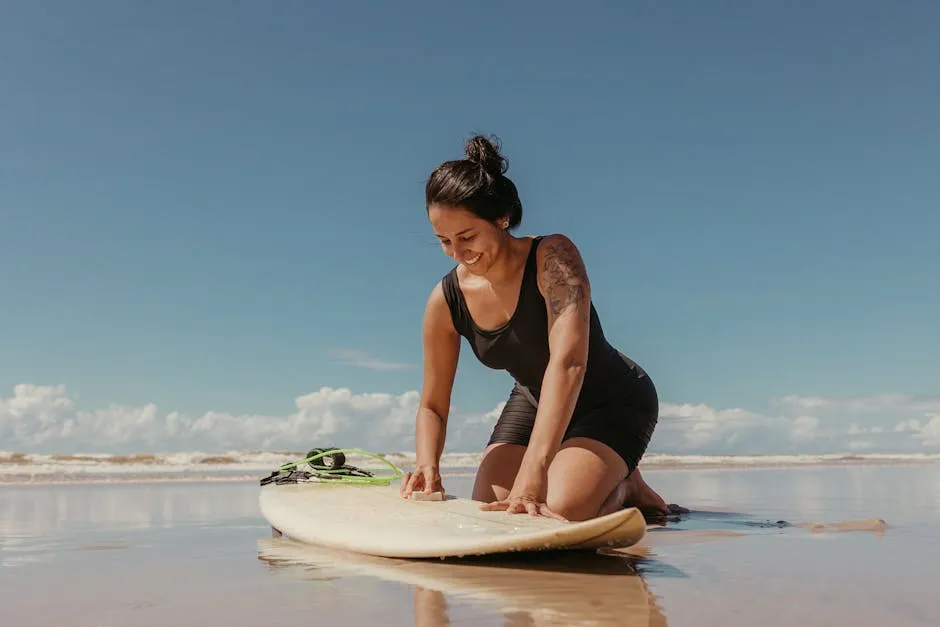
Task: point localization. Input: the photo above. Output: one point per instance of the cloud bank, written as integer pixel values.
(43, 418)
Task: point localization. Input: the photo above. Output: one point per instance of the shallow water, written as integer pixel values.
(147, 553)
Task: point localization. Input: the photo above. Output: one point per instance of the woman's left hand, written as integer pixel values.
(527, 495)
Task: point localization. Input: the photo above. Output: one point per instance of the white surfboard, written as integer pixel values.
(376, 520)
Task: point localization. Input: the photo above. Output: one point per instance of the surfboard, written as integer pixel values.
(376, 520)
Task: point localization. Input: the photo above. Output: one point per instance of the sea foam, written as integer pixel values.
(16, 467)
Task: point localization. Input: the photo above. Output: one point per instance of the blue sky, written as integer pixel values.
(212, 206)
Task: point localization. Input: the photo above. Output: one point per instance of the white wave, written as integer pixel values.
(251, 465)
(759, 461)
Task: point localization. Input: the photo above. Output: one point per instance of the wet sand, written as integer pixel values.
(819, 545)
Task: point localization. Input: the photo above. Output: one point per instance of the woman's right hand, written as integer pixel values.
(424, 478)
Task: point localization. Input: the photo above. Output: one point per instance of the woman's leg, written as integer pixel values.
(587, 478)
(599, 454)
(503, 454)
(497, 471)
(638, 494)
(584, 479)
(626, 431)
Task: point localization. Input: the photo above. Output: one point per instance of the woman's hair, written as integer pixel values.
(476, 183)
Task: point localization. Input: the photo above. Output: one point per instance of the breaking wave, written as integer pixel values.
(251, 465)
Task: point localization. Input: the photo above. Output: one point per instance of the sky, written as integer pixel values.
(213, 233)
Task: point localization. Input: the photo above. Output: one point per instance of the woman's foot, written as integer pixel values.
(634, 492)
(638, 494)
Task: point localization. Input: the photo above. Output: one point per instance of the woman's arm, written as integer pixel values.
(441, 351)
(563, 282)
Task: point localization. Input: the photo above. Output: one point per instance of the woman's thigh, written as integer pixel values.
(599, 450)
(581, 476)
(504, 451)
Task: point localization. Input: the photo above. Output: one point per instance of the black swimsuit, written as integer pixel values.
(617, 405)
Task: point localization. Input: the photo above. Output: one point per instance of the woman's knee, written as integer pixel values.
(497, 471)
(573, 507)
(582, 476)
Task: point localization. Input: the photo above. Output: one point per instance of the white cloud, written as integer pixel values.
(362, 359)
(929, 434)
(701, 426)
(908, 425)
(874, 404)
(39, 418)
(44, 417)
(805, 428)
(886, 421)
(804, 424)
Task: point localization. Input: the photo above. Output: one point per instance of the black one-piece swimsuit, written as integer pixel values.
(618, 403)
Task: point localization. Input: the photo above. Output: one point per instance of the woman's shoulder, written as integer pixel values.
(438, 309)
(559, 265)
(557, 248)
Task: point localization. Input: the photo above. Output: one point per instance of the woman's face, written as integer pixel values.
(471, 241)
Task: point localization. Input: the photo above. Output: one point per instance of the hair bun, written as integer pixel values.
(485, 152)
(476, 183)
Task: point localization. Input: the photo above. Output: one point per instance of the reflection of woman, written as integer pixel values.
(581, 414)
(528, 589)
(430, 608)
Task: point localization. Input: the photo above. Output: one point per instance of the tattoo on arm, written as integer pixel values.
(564, 279)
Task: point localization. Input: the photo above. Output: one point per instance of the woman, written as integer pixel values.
(581, 414)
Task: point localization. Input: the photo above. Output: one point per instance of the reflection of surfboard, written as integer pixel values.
(574, 588)
(374, 519)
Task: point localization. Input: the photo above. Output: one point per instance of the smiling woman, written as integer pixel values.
(580, 414)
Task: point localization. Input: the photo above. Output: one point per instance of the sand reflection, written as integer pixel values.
(537, 589)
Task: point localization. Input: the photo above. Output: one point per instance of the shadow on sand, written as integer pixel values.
(687, 520)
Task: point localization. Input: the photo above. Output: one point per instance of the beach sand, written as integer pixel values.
(198, 553)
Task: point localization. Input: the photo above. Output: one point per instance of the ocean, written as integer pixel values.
(241, 465)
(112, 541)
